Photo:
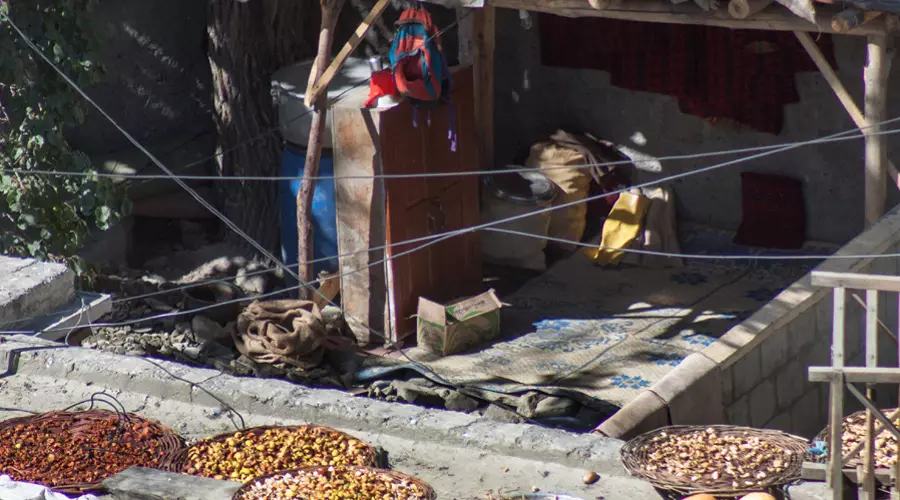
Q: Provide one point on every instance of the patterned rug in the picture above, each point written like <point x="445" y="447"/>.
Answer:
<point x="605" y="333"/>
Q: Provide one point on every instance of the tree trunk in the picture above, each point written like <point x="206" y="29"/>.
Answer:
<point x="248" y="42"/>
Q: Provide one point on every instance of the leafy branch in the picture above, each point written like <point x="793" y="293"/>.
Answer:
<point x="46" y="216"/>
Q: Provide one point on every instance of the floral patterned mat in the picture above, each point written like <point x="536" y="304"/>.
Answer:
<point x="607" y="333"/>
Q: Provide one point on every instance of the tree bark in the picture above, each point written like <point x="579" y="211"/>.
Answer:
<point x="248" y="42"/>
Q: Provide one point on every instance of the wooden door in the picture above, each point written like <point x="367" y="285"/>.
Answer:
<point x="421" y="207"/>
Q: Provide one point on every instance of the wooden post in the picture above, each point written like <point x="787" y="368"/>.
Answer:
<point x="836" y="420"/>
<point x="331" y="10"/>
<point x="485" y="39"/>
<point x="876" y="74"/>
<point x="742" y="9"/>
<point x="867" y="489"/>
<point x="840" y="91"/>
<point x="322" y="81"/>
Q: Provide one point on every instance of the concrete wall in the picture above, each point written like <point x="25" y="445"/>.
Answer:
<point x="157" y="84"/>
<point x="533" y="100"/>
<point x="766" y="385"/>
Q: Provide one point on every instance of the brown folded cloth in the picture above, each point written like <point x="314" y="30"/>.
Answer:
<point x="282" y="331"/>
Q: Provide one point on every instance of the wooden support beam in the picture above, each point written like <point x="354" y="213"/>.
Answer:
<point x="485" y="40"/>
<point x="331" y="10"/>
<point x="774" y="17"/>
<point x="742" y="9"/>
<point x="836" y="414"/>
<point x="321" y="83"/>
<point x="848" y="19"/>
<point x="818" y="472"/>
<point x="881" y="282"/>
<point x="855" y="374"/>
<point x="876" y="76"/>
<point x="841" y="92"/>
<point x="870" y="406"/>
<point x="465" y="33"/>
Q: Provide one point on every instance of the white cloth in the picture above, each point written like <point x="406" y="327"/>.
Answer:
<point x="12" y="490"/>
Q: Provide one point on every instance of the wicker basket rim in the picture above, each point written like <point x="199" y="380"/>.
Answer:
<point x="429" y="491"/>
<point x="634" y="463"/>
<point x="823" y="436"/>
<point x="179" y="460"/>
<point x="95" y="487"/>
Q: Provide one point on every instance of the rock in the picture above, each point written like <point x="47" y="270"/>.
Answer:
<point x="192" y="352"/>
<point x="590" y="478"/>
<point x="527" y="404"/>
<point x="553" y="406"/>
<point x="158" y="305"/>
<point x="150" y="484"/>
<point x="215" y="351"/>
<point x="207" y="329"/>
<point x="455" y="401"/>
<point x="498" y="414"/>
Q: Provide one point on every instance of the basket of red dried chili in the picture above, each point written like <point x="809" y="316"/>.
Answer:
<point x="73" y="452"/>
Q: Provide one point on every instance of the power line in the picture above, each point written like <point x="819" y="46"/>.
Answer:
<point x="422" y="175"/>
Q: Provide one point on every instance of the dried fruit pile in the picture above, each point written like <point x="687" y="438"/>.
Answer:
<point x="244" y="456"/>
<point x="335" y="483"/>
<point x="705" y="457"/>
<point x="854" y="429"/>
<point x="73" y="448"/>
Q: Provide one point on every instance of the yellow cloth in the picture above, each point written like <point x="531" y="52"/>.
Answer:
<point x="623" y="225"/>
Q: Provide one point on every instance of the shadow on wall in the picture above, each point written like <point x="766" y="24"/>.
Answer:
<point x="157" y="83"/>
<point x="534" y="100"/>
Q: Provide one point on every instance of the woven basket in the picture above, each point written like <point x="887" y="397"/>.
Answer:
<point x="825" y="435"/>
<point x="635" y="456"/>
<point x="179" y="462"/>
<point x="62" y="423"/>
<point x="429" y="493"/>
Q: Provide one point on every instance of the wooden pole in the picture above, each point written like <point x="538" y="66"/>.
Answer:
<point x="485" y="37"/>
<point x="331" y="10"/>
<point x="876" y="74"/>
<point x="848" y="19"/>
<point x="836" y="420"/>
<point x="840" y="91"/>
<point x="322" y="82"/>
<point x="742" y="9"/>
<point x="867" y="489"/>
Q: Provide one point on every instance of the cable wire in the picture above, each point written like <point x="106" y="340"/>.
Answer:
<point x="425" y="175"/>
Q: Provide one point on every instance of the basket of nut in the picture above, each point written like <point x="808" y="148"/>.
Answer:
<point x="245" y="455"/>
<point x="853" y="439"/>
<point x="336" y="483"/>
<point x="73" y="452"/>
<point x="724" y="460"/>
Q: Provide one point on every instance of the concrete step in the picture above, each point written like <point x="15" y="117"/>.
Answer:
<point x="30" y="289"/>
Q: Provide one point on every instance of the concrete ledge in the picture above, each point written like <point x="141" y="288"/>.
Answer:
<point x="138" y="483"/>
<point x="283" y="400"/>
<point x="30" y="288"/>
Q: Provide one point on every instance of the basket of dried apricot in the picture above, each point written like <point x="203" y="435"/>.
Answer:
<point x="245" y="455"/>
<point x="73" y="452"/>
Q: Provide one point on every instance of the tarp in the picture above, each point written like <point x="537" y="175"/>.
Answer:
<point x="13" y="490"/>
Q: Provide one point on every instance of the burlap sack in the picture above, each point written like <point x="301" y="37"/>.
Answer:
<point x="559" y="159"/>
<point x="282" y="331"/>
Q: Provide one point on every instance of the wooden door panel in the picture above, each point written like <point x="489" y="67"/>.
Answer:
<point x="421" y="207"/>
<point x="403" y="153"/>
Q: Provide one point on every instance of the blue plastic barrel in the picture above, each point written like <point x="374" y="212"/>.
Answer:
<point x="324" y="214"/>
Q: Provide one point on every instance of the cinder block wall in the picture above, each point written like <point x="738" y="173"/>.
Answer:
<point x="764" y="382"/>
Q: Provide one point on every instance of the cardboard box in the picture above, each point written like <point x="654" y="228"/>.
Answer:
<point x="460" y="326"/>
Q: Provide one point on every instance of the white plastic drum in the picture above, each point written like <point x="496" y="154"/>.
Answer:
<point x="510" y="195"/>
<point x="289" y="90"/>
